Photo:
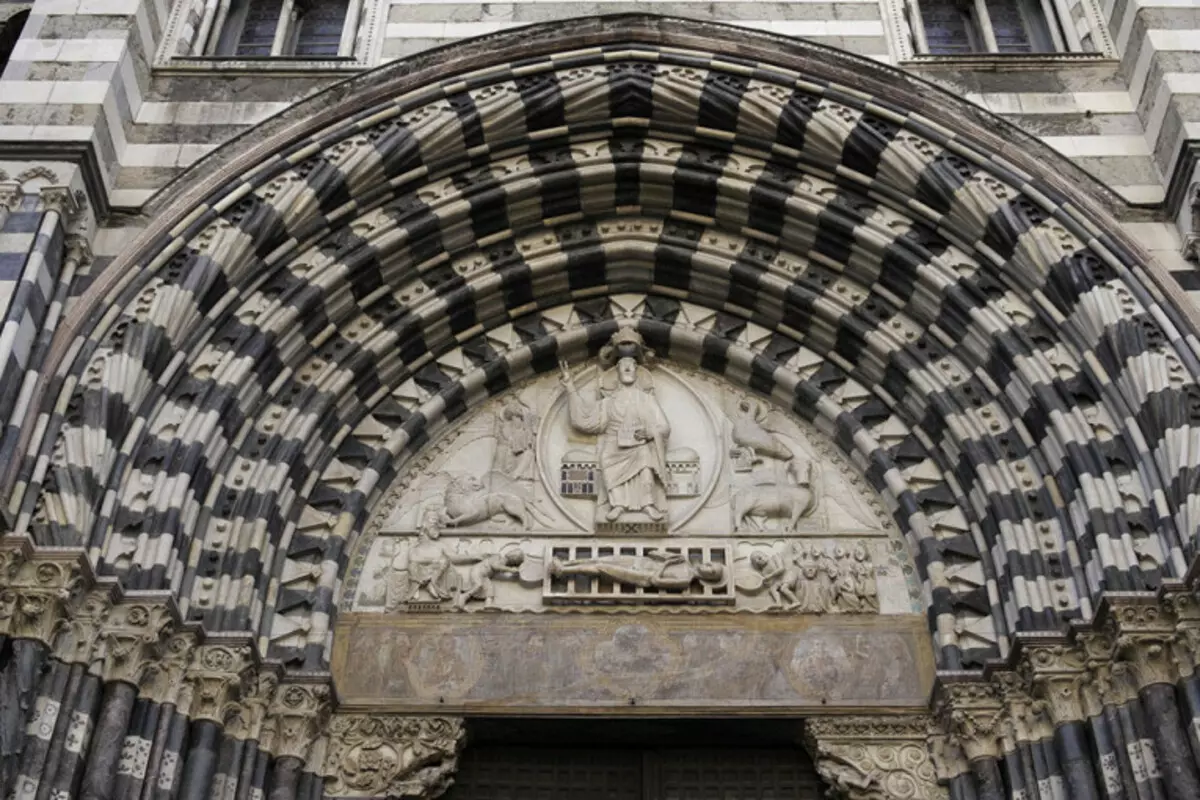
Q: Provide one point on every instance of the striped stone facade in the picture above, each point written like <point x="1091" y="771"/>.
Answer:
<point x="207" y="392"/>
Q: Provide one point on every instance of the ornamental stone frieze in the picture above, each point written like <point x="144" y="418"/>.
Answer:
<point x="876" y="757"/>
<point x="386" y="755"/>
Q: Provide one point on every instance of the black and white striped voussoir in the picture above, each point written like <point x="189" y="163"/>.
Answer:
<point x="999" y="367"/>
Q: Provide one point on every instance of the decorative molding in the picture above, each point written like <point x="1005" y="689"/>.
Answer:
<point x="382" y="755"/>
<point x="875" y="758"/>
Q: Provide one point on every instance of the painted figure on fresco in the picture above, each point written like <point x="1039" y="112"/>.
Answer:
<point x="631" y="427"/>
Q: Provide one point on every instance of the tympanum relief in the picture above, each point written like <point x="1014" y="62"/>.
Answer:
<point x="629" y="482"/>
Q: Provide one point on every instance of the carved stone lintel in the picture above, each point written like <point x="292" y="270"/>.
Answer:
<point x="875" y="758"/>
<point x="383" y="755"/>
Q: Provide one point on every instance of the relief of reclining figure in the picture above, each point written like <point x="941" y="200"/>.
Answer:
<point x="656" y="569"/>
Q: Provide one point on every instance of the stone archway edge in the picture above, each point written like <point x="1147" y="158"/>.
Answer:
<point x="174" y="206"/>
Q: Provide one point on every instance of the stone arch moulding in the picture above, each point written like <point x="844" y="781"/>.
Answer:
<point x="951" y="304"/>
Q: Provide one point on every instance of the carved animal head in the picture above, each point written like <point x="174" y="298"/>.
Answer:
<point x="464" y="484"/>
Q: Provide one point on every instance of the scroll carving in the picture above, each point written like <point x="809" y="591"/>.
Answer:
<point x="875" y="758"/>
<point x="392" y="756"/>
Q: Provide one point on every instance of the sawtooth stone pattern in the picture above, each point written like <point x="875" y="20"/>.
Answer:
<point x="902" y="386"/>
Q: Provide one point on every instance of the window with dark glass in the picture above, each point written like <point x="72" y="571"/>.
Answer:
<point x="300" y="28"/>
<point x="966" y="27"/>
<point x="10" y="31"/>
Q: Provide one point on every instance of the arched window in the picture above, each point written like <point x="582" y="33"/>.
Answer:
<point x="965" y="27"/>
<point x="300" y="28"/>
<point x="10" y="31"/>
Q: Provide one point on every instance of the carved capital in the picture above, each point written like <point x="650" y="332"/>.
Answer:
<point x="59" y="199"/>
<point x="297" y="715"/>
<point x="1056" y="673"/>
<point x="132" y="637"/>
<point x="79" y="250"/>
<point x="972" y="711"/>
<point x="875" y="758"/>
<point x="214" y="680"/>
<point x="10" y="195"/>
<point x="1144" y="637"/>
<point x="382" y="755"/>
<point x="162" y="679"/>
<point x="38" y="588"/>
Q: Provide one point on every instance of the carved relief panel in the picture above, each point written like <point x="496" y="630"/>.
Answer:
<point x="629" y="483"/>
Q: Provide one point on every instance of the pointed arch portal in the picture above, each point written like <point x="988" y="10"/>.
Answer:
<point x="952" y="306"/>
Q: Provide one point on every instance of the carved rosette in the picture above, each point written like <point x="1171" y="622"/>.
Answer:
<point x="875" y="758"/>
<point x="37" y="589"/>
<point x="384" y="755"/>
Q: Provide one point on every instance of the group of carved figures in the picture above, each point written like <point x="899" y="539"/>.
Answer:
<point x="424" y="571"/>
<point x="811" y="581"/>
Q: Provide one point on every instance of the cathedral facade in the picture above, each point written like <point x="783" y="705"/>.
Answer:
<point x="413" y="398"/>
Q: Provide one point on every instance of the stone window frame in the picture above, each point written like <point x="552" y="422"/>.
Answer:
<point x="906" y="35"/>
<point x="193" y="29"/>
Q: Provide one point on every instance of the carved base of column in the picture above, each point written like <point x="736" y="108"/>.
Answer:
<point x="874" y="758"/>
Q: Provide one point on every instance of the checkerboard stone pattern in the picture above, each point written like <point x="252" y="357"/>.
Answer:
<point x="244" y="385"/>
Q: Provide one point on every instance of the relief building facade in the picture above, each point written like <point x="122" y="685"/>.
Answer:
<point x="740" y="400"/>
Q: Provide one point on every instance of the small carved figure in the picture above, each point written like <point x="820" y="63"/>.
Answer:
<point x="479" y="584"/>
<point x="469" y="502"/>
<point x="631" y="427"/>
<point x="845" y="583"/>
<point x="789" y="501"/>
<point x="656" y="569"/>
<point x="865" y="586"/>
<point x="780" y="578"/>
<point x="422" y="566"/>
<point x="750" y="433"/>
<point x="516" y="437"/>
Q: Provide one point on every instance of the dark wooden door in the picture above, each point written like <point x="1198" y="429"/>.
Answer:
<point x="634" y="767"/>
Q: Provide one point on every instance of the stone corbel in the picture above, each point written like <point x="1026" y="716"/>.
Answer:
<point x="875" y="758"/>
<point x="38" y="588"/>
<point x="385" y="755"/>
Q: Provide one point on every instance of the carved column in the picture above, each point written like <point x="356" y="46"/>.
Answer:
<point x="133" y="635"/>
<point x="384" y="755"/>
<point x="1146" y="641"/>
<point x="875" y="758"/>
<point x="37" y="591"/>
<point x="297" y="715"/>
<point x="214" y="683"/>
<point x="1057" y="674"/>
<point x="970" y="711"/>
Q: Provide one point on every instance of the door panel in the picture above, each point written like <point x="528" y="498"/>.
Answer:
<point x="494" y="772"/>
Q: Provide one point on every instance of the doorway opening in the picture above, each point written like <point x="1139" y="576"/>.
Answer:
<point x="635" y="759"/>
